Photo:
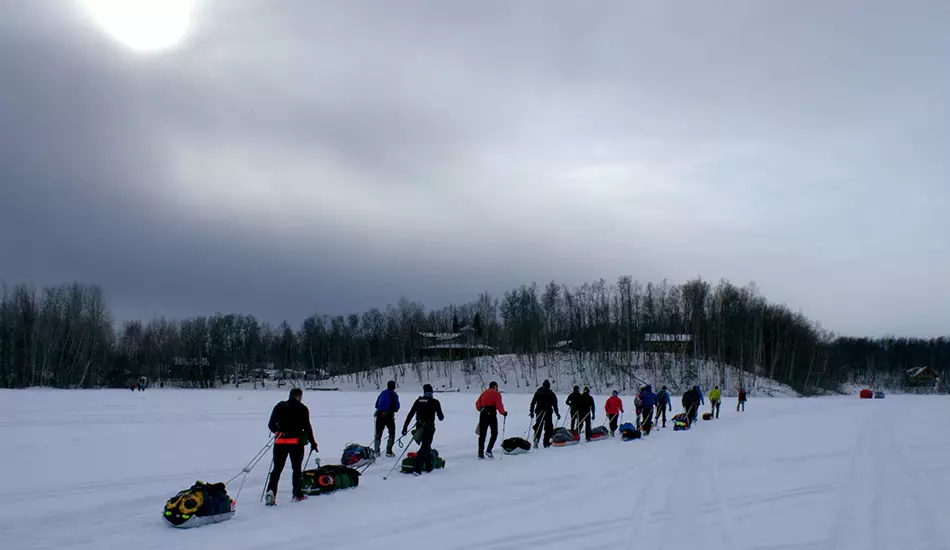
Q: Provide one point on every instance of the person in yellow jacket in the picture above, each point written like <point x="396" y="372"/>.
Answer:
<point x="715" y="399"/>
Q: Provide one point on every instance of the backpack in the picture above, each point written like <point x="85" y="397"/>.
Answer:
<point x="357" y="456"/>
<point x="328" y="478"/>
<point x="414" y="463"/>
<point x="515" y="446"/>
<point x="662" y="398"/>
<point x="201" y="504"/>
<point x="629" y="432"/>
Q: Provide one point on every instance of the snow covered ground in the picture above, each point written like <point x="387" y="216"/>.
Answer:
<point x="92" y="469"/>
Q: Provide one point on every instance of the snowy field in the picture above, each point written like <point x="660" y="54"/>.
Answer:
<point x="92" y="469"/>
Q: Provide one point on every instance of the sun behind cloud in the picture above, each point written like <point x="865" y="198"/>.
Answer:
<point x="142" y="25"/>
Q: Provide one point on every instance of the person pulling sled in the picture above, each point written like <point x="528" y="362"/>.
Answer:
<point x="613" y="407"/>
<point x="425" y="410"/>
<point x="543" y="405"/>
<point x="290" y="423"/>
<point x="387" y="405"/>
<point x="663" y="401"/>
<point x="715" y="399"/>
<point x="488" y="406"/>
<point x="647" y="400"/>
<point x="691" y="403"/>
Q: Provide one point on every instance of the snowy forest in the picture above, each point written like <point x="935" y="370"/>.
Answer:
<point x="65" y="336"/>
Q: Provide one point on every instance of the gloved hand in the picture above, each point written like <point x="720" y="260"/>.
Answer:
<point x="314" y="448"/>
<point x="558" y="416"/>
<point x="505" y="414"/>
<point x="404" y="432"/>
<point x="531" y="414"/>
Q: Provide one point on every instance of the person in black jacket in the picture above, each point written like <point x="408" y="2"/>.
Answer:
<point x="691" y="401"/>
<point x="543" y="404"/>
<point x="573" y="403"/>
<point x="290" y="422"/>
<point x="585" y="411"/>
<point x="425" y="409"/>
<point x="387" y="405"/>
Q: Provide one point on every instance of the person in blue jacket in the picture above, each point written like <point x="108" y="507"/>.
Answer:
<point x="702" y="400"/>
<point x="647" y="401"/>
<point x="663" y="401"/>
<point x="387" y="405"/>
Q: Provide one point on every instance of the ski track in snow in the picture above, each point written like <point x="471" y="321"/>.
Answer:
<point x="91" y="470"/>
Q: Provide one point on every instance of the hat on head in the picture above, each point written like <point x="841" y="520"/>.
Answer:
<point x="427" y="389"/>
<point x="493" y="384"/>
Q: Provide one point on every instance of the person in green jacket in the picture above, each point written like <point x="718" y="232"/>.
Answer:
<point x="715" y="399"/>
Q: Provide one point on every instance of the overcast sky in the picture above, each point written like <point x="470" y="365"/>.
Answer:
<point x="296" y="156"/>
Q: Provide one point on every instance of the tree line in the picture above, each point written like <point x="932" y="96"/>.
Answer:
<point x="64" y="336"/>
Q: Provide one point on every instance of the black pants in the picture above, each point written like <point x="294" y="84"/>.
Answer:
<point x="740" y="404"/>
<point x="574" y="419"/>
<point x="281" y="452"/>
<point x="585" y="420"/>
<point x="661" y="411"/>
<point x="424" y="454"/>
<point x="613" y="418"/>
<point x="488" y="420"/>
<point x="715" y="407"/>
<point x="691" y="412"/>
<point x="544" y="421"/>
<point x="647" y="423"/>
<point x="385" y="420"/>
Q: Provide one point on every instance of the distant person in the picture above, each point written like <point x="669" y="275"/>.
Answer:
<point x="573" y="402"/>
<point x="132" y="387"/>
<point x="425" y="409"/>
<point x="387" y="405"/>
<point x="543" y="405"/>
<point x="742" y="400"/>
<point x="586" y="412"/>
<point x="647" y="401"/>
<point x="488" y="406"/>
<point x="638" y="406"/>
<point x="613" y="407"/>
<point x="663" y="401"/>
<point x="715" y="399"/>
<point x="290" y="423"/>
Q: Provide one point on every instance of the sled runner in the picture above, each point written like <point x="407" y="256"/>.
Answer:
<point x="629" y="432"/>
<point x="327" y="479"/>
<point x="199" y="505"/>
<point x="413" y="462"/>
<point x="563" y="437"/>
<point x="357" y="456"/>
<point x="599" y="433"/>
<point x="515" y="446"/>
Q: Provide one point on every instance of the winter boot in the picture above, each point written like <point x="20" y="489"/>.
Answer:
<point x="298" y="498"/>
<point x="481" y="456"/>
<point x="270" y="499"/>
<point x="489" y="455"/>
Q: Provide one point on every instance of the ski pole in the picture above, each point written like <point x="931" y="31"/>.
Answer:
<point x="399" y="460"/>
<point x="504" y="422"/>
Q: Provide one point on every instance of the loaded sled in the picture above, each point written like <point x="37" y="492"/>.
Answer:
<point x="515" y="446"/>
<point x="357" y="456"/>
<point x="629" y="432"/>
<point x="328" y="479"/>
<point x="413" y="463"/>
<point x="599" y="433"/>
<point x="707" y="416"/>
<point x="201" y="504"/>
<point x="680" y="423"/>
<point x="564" y="437"/>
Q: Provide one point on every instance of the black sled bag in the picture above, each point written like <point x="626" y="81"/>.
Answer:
<point x="629" y="432"/>
<point x="414" y="463"/>
<point x="201" y="504"/>
<point x="357" y="456"/>
<point x="515" y="446"/>
<point x="600" y="432"/>
<point x="328" y="478"/>
<point x="563" y="437"/>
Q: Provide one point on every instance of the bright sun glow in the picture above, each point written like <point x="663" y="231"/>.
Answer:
<point x="143" y="25"/>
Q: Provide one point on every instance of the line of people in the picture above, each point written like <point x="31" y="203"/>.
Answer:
<point x="290" y="421"/>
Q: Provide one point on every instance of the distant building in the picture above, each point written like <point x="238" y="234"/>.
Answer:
<point x="659" y="342"/>
<point x="453" y="346"/>
<point x="922" y="380"/>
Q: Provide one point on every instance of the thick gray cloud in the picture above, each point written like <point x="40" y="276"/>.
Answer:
<point x="299" y="156"/>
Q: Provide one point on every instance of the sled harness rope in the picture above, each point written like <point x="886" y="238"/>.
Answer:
<point x="250" y="466"/>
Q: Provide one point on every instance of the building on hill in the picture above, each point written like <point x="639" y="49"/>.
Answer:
<point x="453" y="346"/>
<point x="922" y="380"/>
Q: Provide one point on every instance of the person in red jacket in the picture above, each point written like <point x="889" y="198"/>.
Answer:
<point x="488" y="405"/>
<point x="613" y="407"/>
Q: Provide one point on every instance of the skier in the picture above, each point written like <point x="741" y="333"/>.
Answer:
<point x="387" y="405"/>
<point x="573" y="403"/>
<point x="691" y="403"/>
<point x="425" y="409"/>
<point x="742" y="400"/>
<point x="488" y="405"/>
<point x="613" y="407"/>
<point x="663" y="402"/>
<point x="647" y="400"/>
<point x="544" y="404"/>
<point x="290" y="422"/>
<point x="586" y="411"/>
<point x="715" y="398"/>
